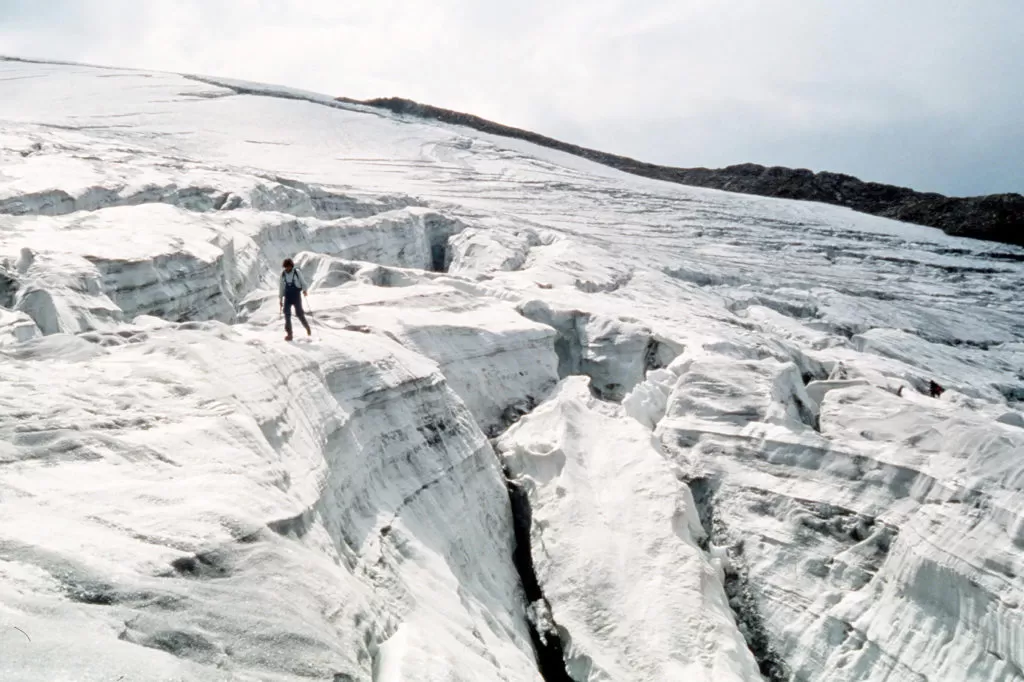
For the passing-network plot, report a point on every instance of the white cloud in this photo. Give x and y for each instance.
(918, 92)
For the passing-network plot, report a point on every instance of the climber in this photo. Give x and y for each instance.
(292, 289)
(934, 389)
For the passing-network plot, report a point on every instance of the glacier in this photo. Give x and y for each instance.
(555, 422)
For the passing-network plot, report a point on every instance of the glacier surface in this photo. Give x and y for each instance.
(554, 422)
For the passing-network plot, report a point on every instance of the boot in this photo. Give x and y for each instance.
(288, 337)
(309, 332)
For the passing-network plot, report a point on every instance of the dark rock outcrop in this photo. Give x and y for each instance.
(997, 217)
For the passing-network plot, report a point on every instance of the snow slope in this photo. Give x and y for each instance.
(710, 409)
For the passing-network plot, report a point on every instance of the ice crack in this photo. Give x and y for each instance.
(737, 583)
(544, 630)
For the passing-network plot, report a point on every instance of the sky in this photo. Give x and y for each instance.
(922, 93)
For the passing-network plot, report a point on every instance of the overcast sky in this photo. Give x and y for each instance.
(924, 93)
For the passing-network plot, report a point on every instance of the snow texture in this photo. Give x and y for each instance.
(711, 411)
(603, 549)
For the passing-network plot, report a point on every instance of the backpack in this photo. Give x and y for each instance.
(294, 284)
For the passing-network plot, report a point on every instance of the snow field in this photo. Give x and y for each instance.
(715, 405)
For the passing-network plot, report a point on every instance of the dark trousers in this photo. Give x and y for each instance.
(293, 299)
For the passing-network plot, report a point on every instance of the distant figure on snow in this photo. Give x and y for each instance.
(293, 288)
(934, 389)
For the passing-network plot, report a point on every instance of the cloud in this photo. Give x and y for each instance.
(921, 92)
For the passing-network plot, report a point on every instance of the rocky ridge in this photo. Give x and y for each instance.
(995, 217)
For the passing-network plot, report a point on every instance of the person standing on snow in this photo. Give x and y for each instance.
(292, 289)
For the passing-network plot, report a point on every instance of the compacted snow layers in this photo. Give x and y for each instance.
(616, 354)
(849, 546)
(499, 362)
(614, 540)
(89, 275)
(141, 500)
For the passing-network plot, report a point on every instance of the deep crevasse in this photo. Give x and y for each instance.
(389, 503)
